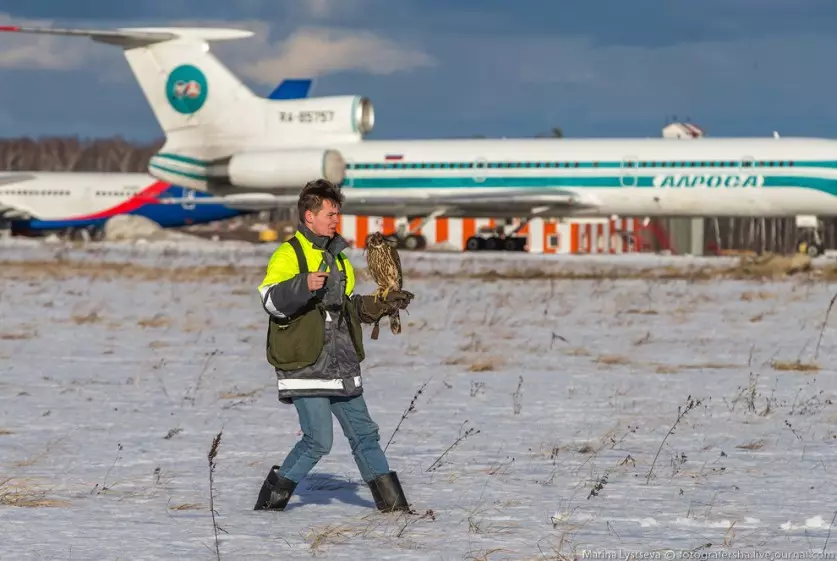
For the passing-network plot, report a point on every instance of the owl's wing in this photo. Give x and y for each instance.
(373, 263)
(396, 258)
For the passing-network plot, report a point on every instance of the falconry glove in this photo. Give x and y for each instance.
(372, 308)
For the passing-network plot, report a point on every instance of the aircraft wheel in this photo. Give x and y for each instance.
(810, 249)
(473, 244)
(510, 244)
(414, 242)
(492, 244)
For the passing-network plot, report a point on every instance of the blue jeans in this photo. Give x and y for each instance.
(316, 424)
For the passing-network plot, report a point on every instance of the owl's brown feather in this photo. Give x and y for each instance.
(385, 268)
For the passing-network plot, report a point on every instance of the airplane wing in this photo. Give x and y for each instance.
(498, 203)
(243, 201)
(494, 202)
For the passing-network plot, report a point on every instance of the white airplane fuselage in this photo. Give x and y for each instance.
(44, 201)
(630, 177)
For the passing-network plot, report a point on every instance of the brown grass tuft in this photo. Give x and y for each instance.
(187, 506)
(19, 494)
(613, 360)
(483, 366)
(331, 534)
(5, 432)
(750, 296)
(18, 336)
(754, 445)
(770, 266)
(455, 360)
(642, 312)
(795, 366)
(92, 317)
(238, 395)
(159, 320)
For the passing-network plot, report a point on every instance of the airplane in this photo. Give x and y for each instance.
(78, 204)
(223, 139)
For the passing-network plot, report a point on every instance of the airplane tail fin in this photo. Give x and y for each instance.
(188, 89)
(291, 89)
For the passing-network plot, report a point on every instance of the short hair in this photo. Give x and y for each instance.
(314, 193)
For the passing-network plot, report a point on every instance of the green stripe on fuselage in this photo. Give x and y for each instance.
(822, 184)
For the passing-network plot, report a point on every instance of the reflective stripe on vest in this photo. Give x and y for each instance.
(309, 384)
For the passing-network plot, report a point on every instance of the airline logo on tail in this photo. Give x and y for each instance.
(186, 89)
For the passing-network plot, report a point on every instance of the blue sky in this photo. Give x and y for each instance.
(456, 69)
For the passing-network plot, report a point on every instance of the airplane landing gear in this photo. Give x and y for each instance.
(85, 234)
(810, 242)
(501, 238)
(496, 243)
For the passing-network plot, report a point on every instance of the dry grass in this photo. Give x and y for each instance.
(613, 360)
(159, 320)
(92, 317)
(484, 365)
(754, 445)
(5, 432)
(62, 270)
(750, 296)
(18, 493)
(794, 366)
(18, 335)
(331, 534)
(749, 267)
(238, 395)
(187, 506)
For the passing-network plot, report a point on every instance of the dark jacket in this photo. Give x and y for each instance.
(314, 338)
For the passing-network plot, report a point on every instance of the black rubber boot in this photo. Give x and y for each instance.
(276, 491)
(388, 494)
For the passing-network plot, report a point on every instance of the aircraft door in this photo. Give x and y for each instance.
(188, 194)
(628, 172)
(480, 164)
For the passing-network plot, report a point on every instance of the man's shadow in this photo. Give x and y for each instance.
(327, 488)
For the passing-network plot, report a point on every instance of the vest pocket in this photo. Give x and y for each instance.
(298, 343)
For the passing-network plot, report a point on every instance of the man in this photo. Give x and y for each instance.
(315, 343)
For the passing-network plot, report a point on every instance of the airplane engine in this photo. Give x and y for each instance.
(279, 169)
(333, 115)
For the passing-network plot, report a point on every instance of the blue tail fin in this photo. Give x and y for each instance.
(291, 89)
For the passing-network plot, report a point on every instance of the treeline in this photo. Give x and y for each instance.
(74, 154)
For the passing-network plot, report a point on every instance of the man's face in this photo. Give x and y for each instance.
(324, 223)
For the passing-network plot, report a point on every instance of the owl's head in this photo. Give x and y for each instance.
(375, 240)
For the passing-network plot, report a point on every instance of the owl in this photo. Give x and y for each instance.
(385, 267)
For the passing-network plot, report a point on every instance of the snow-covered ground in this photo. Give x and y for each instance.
(113, 386)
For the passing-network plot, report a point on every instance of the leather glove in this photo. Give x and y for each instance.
(371, 310)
